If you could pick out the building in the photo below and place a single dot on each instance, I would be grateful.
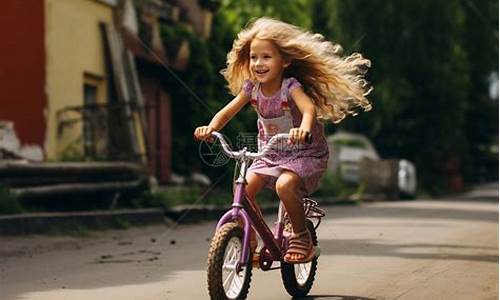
(53, 58)
(82, 79)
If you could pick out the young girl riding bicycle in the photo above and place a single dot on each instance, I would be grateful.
(293, 79)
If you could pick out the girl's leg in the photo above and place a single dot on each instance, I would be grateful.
(287, 188)
(255, 183)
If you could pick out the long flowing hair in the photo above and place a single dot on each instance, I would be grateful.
(335, 83)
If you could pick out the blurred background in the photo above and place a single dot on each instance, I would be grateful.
(100, 98)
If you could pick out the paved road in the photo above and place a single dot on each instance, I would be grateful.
(425, 249)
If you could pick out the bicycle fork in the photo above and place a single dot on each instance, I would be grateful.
(244, 210)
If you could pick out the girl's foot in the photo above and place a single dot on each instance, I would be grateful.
(300, 248)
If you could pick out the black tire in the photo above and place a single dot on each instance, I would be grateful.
(215, 262)
(294, 286)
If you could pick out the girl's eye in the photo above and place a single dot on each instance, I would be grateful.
(267, 56)
(253, 57)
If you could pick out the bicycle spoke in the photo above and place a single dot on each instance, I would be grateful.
(238, 281)
(228, 281)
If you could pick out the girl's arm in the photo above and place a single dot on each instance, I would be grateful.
(308, 110)
(222, 117)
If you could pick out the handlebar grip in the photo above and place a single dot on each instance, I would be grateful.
(308, 138)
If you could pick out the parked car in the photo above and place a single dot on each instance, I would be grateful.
(355, 159)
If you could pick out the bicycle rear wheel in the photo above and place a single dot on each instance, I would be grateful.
(225, 252)
(298, 278)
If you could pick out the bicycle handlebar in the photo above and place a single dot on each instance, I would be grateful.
(253, 155)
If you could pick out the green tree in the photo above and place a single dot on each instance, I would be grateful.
(422, 73)
(239, 12)
(480, 41)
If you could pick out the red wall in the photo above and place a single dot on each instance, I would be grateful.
(159, 139)
(22, 68)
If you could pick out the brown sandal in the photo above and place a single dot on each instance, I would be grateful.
(300, 243)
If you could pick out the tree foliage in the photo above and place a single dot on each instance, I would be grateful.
(428, 83)
(203, 90)
(430, 64)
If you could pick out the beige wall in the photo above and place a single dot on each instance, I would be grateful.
(74, 51)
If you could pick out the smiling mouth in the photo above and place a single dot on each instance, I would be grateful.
(261, 72)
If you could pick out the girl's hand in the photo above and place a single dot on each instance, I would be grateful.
(299, 135)
(204, 133)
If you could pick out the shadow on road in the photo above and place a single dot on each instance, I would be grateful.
(364, 248)
(417, 213)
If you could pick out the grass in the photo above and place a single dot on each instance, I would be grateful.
(171, 196)
(9, 203)
(334, 186)
(167, 197)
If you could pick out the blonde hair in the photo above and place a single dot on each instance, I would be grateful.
(334, 83)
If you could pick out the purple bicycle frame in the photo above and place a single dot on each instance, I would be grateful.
(244, 210)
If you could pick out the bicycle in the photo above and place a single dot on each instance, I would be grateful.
(230, 259)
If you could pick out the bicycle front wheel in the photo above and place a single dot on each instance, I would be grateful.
(224, 282)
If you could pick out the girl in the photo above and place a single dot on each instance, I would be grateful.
(293, 79)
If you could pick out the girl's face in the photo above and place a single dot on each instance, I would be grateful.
(266, 62)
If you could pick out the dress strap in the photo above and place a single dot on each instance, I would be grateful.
(255, 90)
(284, 95)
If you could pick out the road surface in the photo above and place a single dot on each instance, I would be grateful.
(423, 249)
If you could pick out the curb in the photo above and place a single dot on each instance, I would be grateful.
(70, 222)
(67, 222)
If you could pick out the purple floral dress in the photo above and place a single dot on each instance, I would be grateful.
(309, 161)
